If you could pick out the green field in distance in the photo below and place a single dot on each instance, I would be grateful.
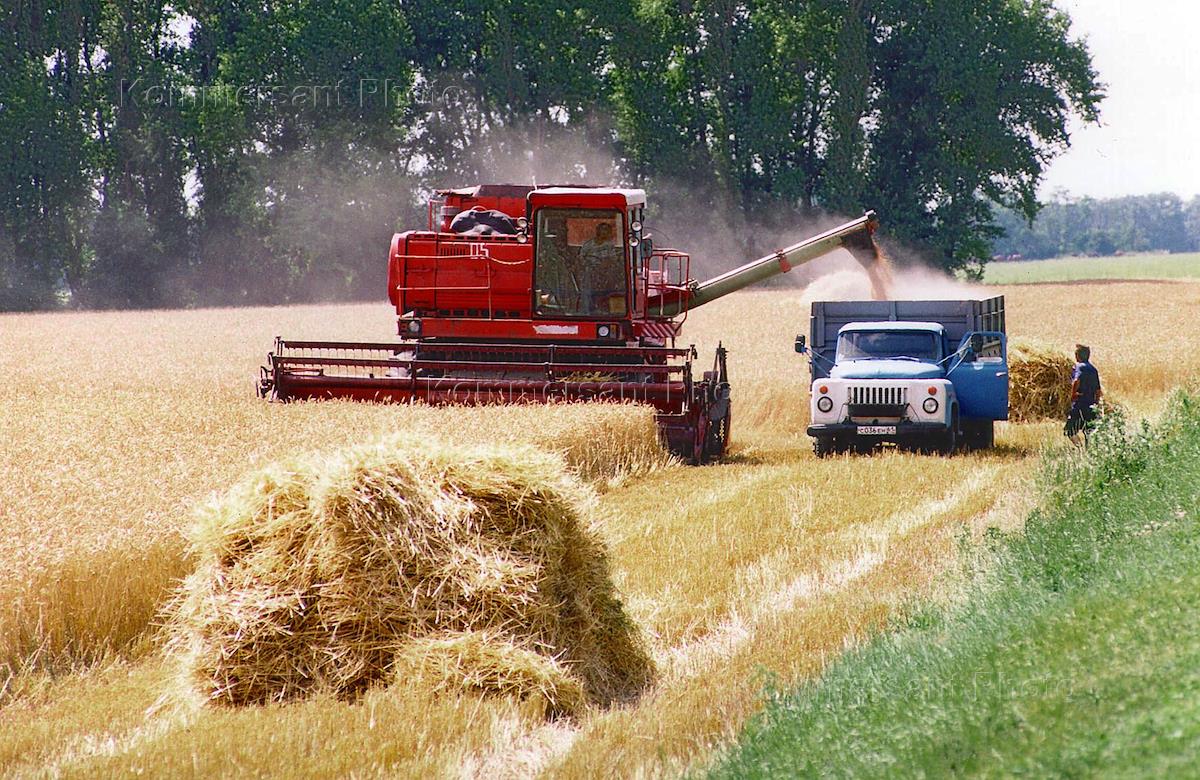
(1066, 269)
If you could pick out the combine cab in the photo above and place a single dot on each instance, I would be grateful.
(523, 295)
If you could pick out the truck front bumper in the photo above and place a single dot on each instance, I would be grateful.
(904, 430)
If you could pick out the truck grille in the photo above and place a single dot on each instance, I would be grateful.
(878, 396)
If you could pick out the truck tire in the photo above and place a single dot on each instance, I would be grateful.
(865, 447)
(950, 439)
(979, 434)
(824, 446)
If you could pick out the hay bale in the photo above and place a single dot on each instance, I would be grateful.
(315, 575)
(1039, 382)
(489, 664)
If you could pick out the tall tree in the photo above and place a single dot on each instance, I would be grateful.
(296, 133)
(45, 187)
(141, 232)
(513, 90)
(845, 174)
(931, 110)
(973, 100)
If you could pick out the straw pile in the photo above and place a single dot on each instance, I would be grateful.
(1039, 382)
(331, 574)
(488, 663)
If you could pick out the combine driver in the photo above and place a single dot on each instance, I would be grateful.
(586, 280)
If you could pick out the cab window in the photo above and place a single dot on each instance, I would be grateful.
(579, 263)
(886, 344)
(988, 347)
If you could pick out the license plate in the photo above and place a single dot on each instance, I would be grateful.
(876, 430)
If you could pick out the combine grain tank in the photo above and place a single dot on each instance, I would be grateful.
(518, 294)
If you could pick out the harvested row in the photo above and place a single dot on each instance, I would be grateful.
(91, 558)
(458, 567)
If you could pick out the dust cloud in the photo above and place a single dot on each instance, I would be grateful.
(842, 278)
(718, 233)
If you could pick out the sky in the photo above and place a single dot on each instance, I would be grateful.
(1148, 140)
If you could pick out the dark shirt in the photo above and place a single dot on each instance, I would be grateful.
(1088, 387)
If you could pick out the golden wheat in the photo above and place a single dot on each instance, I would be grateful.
(772, 562)
(116, 424)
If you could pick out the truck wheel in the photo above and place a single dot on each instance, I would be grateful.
(949, 440)
(824, 446)
(979, 434)
(864, 447)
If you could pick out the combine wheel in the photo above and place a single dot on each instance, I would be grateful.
(717, 410)
(717, 438)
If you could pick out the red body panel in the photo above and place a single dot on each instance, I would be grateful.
(448, 275)
(471, 334)
(481, 287)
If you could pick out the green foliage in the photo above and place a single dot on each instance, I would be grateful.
(44, 126)
(1087, 226)
(973, 100)
(931, 112)
(1074, 653)
(294, 129)
(732, 99)
(209, 152)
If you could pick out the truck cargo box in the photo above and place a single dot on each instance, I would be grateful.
(958, 317)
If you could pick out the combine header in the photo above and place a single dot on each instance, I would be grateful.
(519, 294)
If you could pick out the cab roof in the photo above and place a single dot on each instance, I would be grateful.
(628, 197)
(894, 325)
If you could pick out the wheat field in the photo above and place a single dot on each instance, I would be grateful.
(744, 574)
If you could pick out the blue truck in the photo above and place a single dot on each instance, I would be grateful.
(928, 376)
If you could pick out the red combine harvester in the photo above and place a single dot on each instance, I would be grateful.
(519, 294)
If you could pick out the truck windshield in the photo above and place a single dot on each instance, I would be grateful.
(883, 344)
(579, 265)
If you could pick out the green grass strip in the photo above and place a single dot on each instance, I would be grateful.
(1076, 651)
(1068, 269)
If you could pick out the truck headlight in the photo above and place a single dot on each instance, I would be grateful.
(824, 404)
(930, 406)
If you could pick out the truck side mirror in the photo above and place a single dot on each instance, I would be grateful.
(801, 345)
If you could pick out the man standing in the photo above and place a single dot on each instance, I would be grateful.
(1085, 394)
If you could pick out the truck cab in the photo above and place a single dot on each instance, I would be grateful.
(922, 384)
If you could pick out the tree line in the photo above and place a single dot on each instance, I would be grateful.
(201, 152)
(1162, 222)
